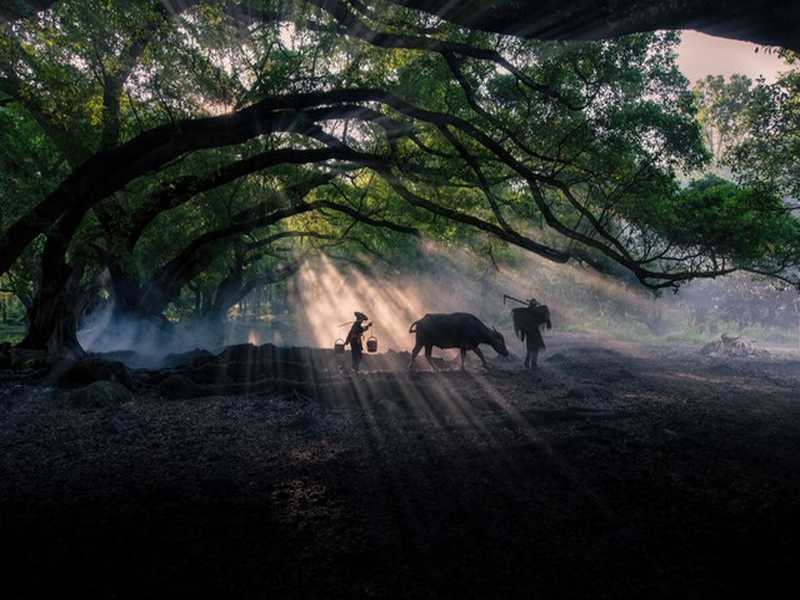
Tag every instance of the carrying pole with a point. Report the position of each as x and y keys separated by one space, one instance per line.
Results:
x=507 y=297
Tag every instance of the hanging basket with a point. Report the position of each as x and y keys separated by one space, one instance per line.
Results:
x=372 y=344
x=338 y=345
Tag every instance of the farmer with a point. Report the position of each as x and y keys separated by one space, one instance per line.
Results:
x=354 y=338
x=527 y=322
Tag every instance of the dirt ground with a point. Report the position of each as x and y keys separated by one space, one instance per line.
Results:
x=614 y=470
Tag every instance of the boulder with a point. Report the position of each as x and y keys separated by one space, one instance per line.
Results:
x=178 y=387
x=734 y=347
x=91 y=369
x=100 y=394
x=193 y=357
x=130 y=358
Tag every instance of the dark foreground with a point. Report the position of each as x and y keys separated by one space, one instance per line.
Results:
x=610 y=473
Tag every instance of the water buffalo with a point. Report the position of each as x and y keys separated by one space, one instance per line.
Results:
x=456 y=330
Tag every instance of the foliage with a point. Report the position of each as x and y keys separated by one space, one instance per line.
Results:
x=722 y=106
x=167 y=154
x=768 y=156
x=749 y=225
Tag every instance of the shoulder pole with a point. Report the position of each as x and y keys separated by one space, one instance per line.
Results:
x=507 y=297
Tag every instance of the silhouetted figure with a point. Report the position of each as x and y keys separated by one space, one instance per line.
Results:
x=527 y=322
x=354 y=338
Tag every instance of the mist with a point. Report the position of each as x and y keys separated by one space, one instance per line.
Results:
x=324 y=294
x=142 y=342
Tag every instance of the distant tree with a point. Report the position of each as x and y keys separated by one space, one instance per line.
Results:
x=769 y=154
x=722 y=111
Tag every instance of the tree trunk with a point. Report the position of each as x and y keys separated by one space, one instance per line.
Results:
x=230 y=291
x=257 y=294
x=52 y=323
x=212 y=326
x=126 y=291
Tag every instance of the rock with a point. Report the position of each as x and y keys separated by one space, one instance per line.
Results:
x=100 y=394
x=178 y=386
x=89 y=370
x=130 y=358
x=193 y=357
x=204 y=374
x=734 y=347
x=241 y=353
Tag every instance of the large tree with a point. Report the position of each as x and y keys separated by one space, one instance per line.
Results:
x=767 y=22
x=768 y=152
x=566 y=150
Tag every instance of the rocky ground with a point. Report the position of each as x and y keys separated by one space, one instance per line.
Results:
x=615 y=470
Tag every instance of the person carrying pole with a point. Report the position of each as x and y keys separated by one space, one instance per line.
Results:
x=527 y=324
x=354 y=338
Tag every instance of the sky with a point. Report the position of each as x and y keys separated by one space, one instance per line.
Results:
x=700 y=55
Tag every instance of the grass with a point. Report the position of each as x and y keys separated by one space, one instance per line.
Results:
x=633 y=330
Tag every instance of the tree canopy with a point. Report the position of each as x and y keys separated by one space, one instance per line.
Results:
x=158 y=145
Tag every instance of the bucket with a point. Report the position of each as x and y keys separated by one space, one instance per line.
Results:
x=338 y=345
x=372 y=344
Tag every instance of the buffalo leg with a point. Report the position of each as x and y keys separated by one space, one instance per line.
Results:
x=527 y=359
x=428 y=351
x=414 y=353
x=477 y=351
x=463 y=355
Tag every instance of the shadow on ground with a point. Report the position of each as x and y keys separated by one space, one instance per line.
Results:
x=606 y=473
